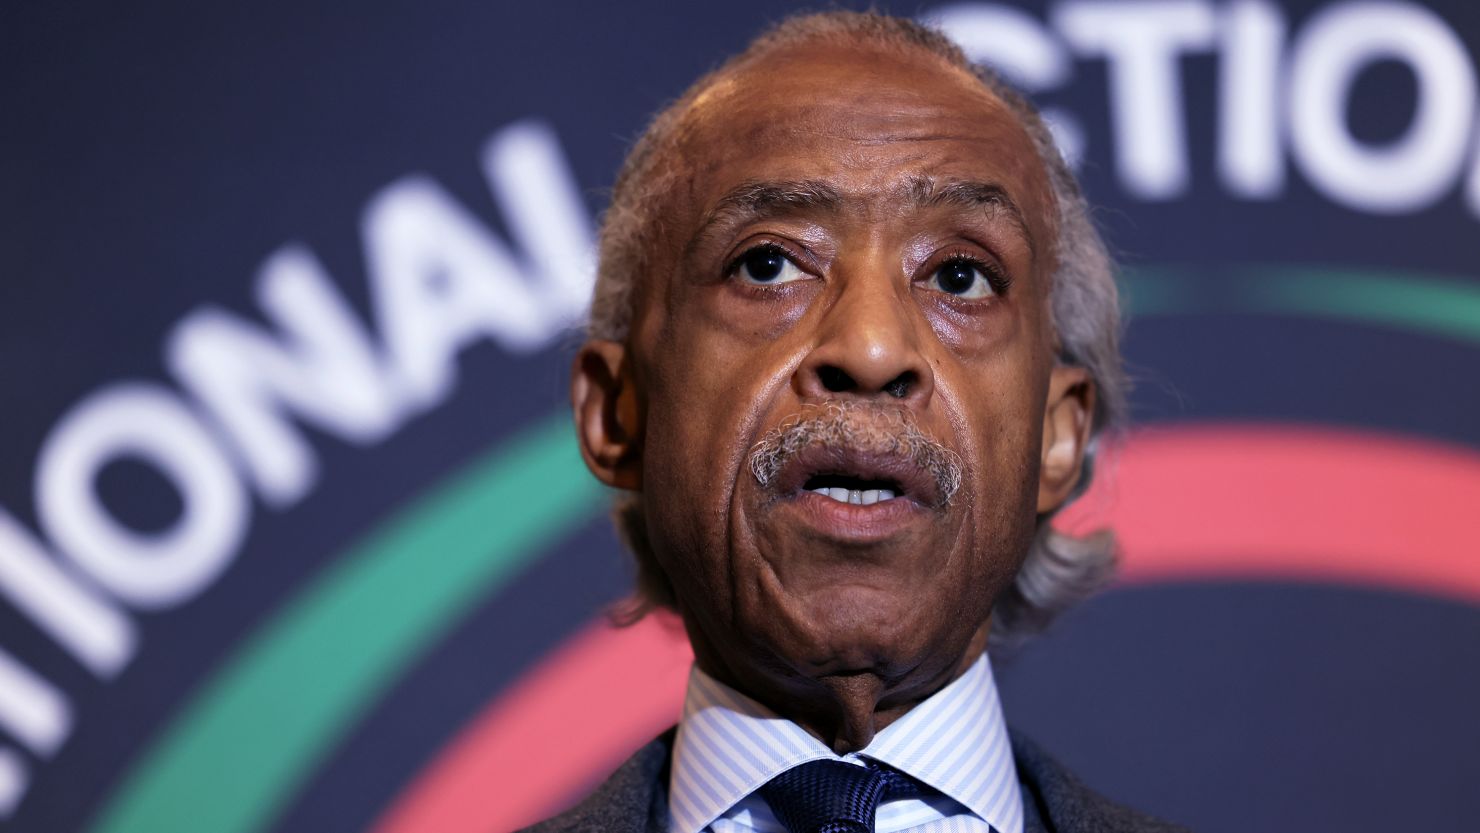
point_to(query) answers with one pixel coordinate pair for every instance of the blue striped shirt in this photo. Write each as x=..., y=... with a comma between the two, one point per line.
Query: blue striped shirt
x=729, y=745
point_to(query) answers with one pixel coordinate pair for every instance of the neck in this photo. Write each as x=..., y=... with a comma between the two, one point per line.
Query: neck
x=844, y=711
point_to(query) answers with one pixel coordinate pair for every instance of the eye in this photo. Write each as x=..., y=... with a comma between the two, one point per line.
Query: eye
x=766, y=265
x=966, y=278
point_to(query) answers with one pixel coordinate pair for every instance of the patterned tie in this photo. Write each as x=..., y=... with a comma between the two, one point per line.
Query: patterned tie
x=834, y=796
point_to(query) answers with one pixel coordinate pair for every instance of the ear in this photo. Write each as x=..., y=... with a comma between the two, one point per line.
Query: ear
x=1066, y=426
x=607, y=414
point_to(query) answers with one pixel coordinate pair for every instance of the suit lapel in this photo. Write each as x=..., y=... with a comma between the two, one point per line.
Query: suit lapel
x=1054, y=801
x=633, y=800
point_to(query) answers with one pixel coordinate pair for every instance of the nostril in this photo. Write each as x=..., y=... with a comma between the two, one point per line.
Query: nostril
x=835, y=379
x=899, y=386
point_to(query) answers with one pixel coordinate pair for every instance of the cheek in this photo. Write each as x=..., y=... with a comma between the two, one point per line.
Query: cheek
x=1001, y=404
x=1008, y=429
x=712, y=372
x=707, y=391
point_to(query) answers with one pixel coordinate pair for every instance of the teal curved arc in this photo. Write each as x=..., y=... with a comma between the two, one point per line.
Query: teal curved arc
x=236, y=753
x=1433, y=305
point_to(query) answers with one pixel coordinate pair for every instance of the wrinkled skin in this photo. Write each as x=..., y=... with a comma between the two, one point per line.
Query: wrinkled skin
x=842, y=618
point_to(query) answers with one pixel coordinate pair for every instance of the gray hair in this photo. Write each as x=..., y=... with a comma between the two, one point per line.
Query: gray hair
x=1059, y=569
x=890, y=432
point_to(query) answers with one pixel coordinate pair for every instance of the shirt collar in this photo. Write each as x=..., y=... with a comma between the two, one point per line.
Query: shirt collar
x=728, y=746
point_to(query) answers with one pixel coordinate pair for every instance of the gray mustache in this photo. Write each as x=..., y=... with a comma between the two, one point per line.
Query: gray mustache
x=861, y=427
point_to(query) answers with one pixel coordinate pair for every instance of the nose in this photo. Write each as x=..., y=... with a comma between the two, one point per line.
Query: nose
x=869, y=346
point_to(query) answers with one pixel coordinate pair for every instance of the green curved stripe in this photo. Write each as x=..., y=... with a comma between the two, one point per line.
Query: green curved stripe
x=1153, y=292
x=1445, y=307
x=1400, y=301
x=260, y=727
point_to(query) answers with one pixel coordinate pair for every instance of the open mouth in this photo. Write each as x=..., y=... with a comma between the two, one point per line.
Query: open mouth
x=848, y=488
x=856, y=477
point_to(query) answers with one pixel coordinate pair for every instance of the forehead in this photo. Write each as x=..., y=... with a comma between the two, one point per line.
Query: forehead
x=867, y=121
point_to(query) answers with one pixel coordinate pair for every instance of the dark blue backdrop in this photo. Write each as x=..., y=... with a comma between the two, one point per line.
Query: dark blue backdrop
x=157, y=163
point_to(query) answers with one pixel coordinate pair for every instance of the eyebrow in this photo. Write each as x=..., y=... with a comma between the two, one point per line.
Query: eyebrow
x=759, y=199
x=926, y=192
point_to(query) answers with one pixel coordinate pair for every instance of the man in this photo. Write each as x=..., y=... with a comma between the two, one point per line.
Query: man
x=853, y=336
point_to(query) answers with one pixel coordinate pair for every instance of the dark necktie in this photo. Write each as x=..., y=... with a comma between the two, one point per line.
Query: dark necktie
x=835, y=796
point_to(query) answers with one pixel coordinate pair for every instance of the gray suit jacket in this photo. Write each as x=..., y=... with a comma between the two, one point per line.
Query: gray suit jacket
x=635, y=799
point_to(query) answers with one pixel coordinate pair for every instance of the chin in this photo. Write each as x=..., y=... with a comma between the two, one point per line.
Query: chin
x=859, y=629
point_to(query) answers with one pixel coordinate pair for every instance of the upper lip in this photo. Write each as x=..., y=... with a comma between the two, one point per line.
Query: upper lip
x=911, y=481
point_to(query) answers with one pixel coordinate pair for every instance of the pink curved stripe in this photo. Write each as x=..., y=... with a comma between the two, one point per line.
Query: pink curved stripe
x=1292, y=503
x=564, y=725
x=1201, y=502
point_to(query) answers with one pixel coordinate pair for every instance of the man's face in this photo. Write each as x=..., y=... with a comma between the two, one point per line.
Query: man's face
x=862, y=230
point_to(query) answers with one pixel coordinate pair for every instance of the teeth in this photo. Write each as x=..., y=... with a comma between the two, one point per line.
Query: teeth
x=858, y=497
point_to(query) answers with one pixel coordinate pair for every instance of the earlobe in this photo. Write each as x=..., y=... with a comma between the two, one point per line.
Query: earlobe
x=607, y=414
x=1067, y=421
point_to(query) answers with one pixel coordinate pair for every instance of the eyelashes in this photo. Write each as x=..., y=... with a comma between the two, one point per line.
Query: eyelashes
x=969, y=277
x=959, y=274
x=765, y=265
